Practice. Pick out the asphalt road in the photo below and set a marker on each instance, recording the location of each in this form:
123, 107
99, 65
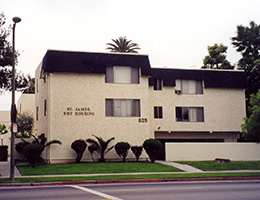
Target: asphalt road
231, 190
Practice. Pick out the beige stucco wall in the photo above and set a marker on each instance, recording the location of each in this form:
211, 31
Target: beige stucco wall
5, 119
42, 93
210, 151
26, 104
224, 110
68, 92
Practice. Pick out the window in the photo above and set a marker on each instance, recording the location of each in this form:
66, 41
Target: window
157, 85
158, 114
189, 114
37, 85
119, 74
45, 78
122, 107
191, 87
45, 107
37, 113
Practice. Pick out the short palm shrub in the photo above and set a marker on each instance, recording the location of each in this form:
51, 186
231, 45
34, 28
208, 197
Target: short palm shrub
137, 151
32, 151
79, 146
122, 149
152, 148
101, 146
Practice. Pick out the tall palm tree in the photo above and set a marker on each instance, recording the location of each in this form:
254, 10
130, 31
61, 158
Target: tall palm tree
123, 45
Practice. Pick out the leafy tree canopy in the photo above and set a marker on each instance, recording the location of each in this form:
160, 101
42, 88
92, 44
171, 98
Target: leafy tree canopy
25, 123
6, 60
247, 42
123, 45
251, 127
217, 58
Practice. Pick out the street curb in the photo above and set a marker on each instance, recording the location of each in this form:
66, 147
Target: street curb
130, 181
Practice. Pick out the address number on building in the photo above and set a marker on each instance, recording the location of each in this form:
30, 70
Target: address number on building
142, 120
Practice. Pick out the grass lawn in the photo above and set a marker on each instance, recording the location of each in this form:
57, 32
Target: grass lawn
124, 177
215, 166
96, 168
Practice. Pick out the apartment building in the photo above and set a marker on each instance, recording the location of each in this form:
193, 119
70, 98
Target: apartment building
120, 95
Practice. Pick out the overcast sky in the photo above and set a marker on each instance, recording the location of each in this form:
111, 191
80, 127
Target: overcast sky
173, 33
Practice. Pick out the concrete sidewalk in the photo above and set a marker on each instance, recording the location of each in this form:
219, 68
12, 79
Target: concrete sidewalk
5, 170
185, 168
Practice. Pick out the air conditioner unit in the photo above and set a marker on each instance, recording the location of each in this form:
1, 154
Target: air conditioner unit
178, 91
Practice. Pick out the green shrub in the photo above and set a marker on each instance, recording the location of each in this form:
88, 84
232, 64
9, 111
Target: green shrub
137, 151
152, 148
92, 148
32, 153
122, 149
19, 148
79, 146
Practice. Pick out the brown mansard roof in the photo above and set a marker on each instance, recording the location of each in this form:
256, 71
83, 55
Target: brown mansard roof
96, 63
87, 62
212, 78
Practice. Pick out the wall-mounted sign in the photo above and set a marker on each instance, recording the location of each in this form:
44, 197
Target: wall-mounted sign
78, 111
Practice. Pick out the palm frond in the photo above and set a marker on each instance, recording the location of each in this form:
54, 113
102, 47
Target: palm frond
52, 142
91, 141
108, 141
109, 149
123, 45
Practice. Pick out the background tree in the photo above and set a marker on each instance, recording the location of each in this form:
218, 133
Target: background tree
6, 60
247, 42
31, 86
102, 146
217, 58
25, 125
251, 127
3, 130
123, 45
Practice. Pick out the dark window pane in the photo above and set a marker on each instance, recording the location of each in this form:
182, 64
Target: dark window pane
109, 75
109, 107
185, 113
178, 113
134, 75
199, 89
200, 115
45, 107
157, 84
136, 108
